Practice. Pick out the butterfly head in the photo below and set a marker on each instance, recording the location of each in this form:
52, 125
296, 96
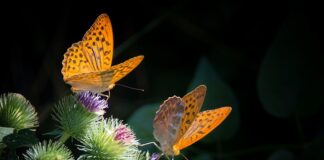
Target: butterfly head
168, 150
111, 86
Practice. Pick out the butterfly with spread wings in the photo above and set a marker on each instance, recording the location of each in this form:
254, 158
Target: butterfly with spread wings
87, 63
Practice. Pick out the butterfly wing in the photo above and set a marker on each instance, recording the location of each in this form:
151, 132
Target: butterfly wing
98, 44
167, 122
193, 102
96, 82
204, 123
75, 62
122, 69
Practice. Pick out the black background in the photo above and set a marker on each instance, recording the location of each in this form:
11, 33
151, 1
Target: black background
173, 36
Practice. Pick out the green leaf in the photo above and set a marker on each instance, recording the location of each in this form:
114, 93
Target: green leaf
4, 131
142, 121
203, 156
218, 94
55, 132
291, 76
24, 138
282, 154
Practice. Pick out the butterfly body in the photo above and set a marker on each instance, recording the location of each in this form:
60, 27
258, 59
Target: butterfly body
94, 82
87, 63
178, 122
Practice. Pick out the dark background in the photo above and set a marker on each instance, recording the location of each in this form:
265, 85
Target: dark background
266, 54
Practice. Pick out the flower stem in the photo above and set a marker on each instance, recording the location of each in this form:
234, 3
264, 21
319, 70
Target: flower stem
64, 137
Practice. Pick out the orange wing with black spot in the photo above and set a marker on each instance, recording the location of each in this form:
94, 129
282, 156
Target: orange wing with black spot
193, 102
122, 69
75, 63
98, 43
204, 123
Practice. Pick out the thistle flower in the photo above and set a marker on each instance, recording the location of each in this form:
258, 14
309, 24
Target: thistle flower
73, 118
93, 102
155, 156
17, 112
125, 135
110, 139
47, 151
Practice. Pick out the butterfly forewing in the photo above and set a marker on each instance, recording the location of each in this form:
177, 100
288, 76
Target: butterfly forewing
98, 43
167, 122
204, 123
193, 102
122, 69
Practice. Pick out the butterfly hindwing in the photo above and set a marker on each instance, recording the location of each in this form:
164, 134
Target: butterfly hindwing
96, 82
204, 123
167, 122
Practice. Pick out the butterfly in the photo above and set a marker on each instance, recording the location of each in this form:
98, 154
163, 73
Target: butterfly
87, 63
178, 122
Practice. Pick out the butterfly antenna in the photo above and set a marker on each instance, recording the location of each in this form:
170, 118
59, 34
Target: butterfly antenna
137, 89
184, 156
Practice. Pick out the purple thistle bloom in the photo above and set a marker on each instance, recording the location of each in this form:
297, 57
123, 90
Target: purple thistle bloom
93, 102
125, 135
155, 156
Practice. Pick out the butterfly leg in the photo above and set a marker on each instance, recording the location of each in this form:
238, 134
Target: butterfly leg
107, 96
184, 156
145, 144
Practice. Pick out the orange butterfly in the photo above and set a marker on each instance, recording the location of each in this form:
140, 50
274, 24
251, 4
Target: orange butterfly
87, 63
178, 123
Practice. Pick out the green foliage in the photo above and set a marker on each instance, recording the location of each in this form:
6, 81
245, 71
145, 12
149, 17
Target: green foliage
145, 114
218, 94
282, 154
286, 82
23, 138
4, 131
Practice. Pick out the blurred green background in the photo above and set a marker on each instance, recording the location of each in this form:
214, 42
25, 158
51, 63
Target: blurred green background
262, 58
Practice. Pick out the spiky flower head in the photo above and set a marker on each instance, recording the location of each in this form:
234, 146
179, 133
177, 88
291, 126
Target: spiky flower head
16, 112
47, 151
93, 102
110, 139
73, 118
